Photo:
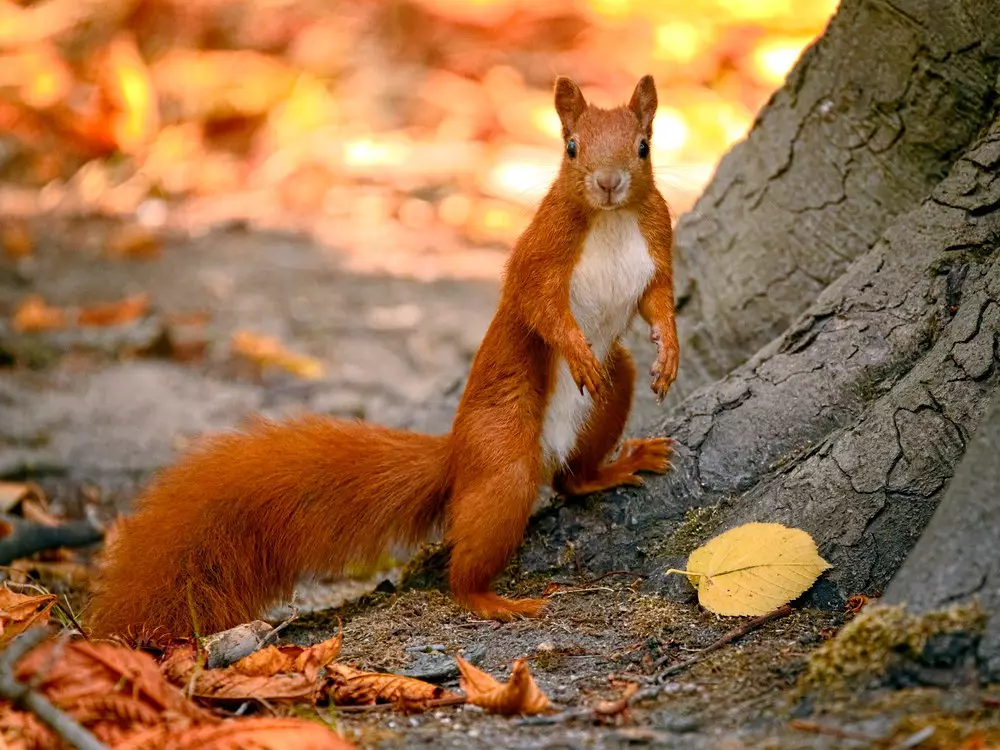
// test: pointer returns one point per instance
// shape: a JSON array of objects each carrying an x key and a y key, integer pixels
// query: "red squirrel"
[{"x": 230, "y": 528}]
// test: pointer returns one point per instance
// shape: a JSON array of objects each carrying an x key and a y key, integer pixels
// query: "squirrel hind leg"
[
  {"x": 490, "y": 606},
  {"x": 489, "y": 513},
  {"x": 588, "y": 469}
]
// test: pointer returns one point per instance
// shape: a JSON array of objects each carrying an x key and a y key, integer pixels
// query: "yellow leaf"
[{"x": 754, "y": 568}]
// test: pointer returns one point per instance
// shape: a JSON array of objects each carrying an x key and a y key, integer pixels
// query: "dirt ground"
[{"x": 92, "y": 412}]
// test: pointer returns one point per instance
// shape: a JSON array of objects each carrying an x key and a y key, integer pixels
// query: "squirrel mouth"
[
  {"x": 607, "y": 200},
  {"x": 608, "y": 188}
]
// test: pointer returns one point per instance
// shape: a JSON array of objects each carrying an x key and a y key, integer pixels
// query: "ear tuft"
[
  {"x": 643, "y": 103},
  {"x": 569, "y": 104}
]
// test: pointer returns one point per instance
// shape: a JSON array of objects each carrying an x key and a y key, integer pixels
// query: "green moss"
[
  {"x": 694, "y": 530},
  {"x": 864, "y": 646}
]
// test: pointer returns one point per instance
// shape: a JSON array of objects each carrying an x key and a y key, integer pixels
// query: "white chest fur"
[{"x": 613, "y": 271}]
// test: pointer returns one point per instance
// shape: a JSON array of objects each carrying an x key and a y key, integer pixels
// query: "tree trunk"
[
  {"x": 957, "y": 557},
  {"x": 849, "y": 425},
  {"x": 870, "y": 119}
]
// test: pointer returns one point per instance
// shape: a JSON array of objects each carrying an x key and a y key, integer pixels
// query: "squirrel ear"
[
  {"x": 569, "y": 104},
  {"x": 643, "y": 102}
]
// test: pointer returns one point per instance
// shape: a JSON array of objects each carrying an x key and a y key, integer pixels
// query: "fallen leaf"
[
  {"x": 133, "y": 241},
  {"x": 264, "y": 733},
  {"x": 34, "y": 315},
  {"x": 753, "y": 569},
  {"x": 265, "y": 350},
  {"x": 351, "y": 687},
  {"x": 617, "y": 709},
  {"x": 519, "y": 696},
  {"x": 224, "y": 685},
  {"x": 114, "y": 313},
  {"x": 855, "y": 604},
  {"x": 13, "y": 493},
  {"x": 18, "y": 612},
  {"x": 34, "y": 509},
  {"x": 273, "y": 660},
  {"x": 16, "y": 239}
]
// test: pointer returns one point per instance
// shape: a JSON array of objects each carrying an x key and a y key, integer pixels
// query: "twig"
[
  {"x": 729, "y": 637},
  {"x": 564, "y": 592},
  {"x": 10, "y": 688},
  {"x": 273, "y": 634},
  {"x": 458, "y": 700},
  {"x": 841, "y": 734},
  {"x": 29, "y": 537}
]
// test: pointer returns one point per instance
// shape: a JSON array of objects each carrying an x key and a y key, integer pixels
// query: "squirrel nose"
[{"x": 608, "y": 180}]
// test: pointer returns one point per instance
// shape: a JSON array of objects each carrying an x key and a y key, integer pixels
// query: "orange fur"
[{"x": 230, "y": 528}]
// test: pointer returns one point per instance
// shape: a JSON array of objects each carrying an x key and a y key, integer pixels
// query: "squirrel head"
[{"x": 606, "y": 155}]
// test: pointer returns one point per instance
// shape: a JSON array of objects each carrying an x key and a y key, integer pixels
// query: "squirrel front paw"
[
  {"x": 585, "y": 368},
  {"x": 664, "y": 370}
]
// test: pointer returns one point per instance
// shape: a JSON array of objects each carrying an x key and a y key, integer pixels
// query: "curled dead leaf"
[
  {"x": 18, "y": 612},
  {"x": 133, "y": 241},
  {"x": 273, "y": 660},
  {"x": 34, "y": 315},
  {"x": 114, "y": 313},
  {"x": 225, "y": 685},
  {"x": 15, "y": 236},
  {"x": 12, "y": 494},
  {"x": 351, "y": 687},
  {"x": 616, "y": 709},
  {"x": 259, "y": 733},
  {"x": 520, "y": 695},
  {"x": 267, "y": 351}
]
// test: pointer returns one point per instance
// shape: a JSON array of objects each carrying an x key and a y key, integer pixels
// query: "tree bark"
[
  {"x": 957, "y": 558},
  {"x": 870, "y": 119},
  {"x": 848, "y": 425}
]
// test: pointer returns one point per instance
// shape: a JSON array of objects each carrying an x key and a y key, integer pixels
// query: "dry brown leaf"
[
  {"x": 18, "y": 612},
  {"x": 265, "y": 350},
  {"x": 69, "y": 572},
  {"x": 519, "y": 696},
  {"x": 274, "y": 660},
  {"x": 33, "y": 508},
  {"x": 13, "y": 493},
  {"x": 34, "y": 315},
  {"x": 131, "y": 241},
  {"x": 352, "y": 687},
  {"x": 249, "y": 734},
  {"x": 114, "y": 313},
  {"x": 16, "y": 239},
  {"x": 223, "y": 685},
  {"x": 617, "y": 709}
]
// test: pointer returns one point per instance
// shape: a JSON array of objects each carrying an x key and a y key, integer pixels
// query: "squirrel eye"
[
  {"x": 643, "y": 148},
  {"x": 571, "y": 148}
]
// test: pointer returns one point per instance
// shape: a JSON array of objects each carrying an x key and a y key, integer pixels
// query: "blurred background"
[{"x": 415, "y": 135}]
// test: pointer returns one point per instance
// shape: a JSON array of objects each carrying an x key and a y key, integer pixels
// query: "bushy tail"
[{"x": 222, "y": 534}]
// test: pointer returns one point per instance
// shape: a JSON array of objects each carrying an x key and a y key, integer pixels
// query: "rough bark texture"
[
  {"x": 870, "y": 119},
  {"x": 849, "y": 425},
  {"x": 957, "y": 557}
]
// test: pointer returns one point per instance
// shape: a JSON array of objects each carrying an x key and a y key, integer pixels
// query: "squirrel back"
[{"x": 229, "y": 529}]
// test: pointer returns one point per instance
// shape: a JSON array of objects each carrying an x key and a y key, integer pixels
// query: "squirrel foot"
[
  {"x": 637, "y": 454},
  {"x": 490, "y": 606}
]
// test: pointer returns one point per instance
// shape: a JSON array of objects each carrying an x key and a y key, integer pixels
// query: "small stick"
[
  {"x": 564, "y": 592},
  {"x": 10, "y": 688},
  {"x": 842, "y": 734},
  {"x": 729, "y": 637},
  {"x": 458, "y": 700}
]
